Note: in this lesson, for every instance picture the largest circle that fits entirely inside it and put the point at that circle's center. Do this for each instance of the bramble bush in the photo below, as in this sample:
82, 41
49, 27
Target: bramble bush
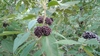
49, 28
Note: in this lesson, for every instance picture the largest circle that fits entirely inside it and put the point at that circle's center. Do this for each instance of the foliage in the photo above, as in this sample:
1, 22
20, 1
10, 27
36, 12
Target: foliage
70, 19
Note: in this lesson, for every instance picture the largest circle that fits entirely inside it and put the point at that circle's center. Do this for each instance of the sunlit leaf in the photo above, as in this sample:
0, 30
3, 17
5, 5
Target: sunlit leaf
49, 47
27, 49
88, 52
81, 40
30, 16
32, 23
68, 4
19, 40
9, 33
92, 42
52, 3
68, 42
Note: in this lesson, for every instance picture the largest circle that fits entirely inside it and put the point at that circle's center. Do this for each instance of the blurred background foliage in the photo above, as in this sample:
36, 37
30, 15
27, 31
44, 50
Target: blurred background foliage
71, 19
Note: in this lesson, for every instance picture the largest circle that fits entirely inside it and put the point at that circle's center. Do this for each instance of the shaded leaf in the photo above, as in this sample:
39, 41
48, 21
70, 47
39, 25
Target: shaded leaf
23, 46
38, 53
8, 45
58, 34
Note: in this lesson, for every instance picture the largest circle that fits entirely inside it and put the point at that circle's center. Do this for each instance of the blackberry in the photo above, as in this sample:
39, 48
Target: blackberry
81, 8
51, 19
38, 32
46, 30
48, 21
5, 24
40, 19
89, 35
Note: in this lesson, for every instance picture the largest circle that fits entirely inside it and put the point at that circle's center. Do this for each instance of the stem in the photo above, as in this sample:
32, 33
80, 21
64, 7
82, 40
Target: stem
44, 2
45, 8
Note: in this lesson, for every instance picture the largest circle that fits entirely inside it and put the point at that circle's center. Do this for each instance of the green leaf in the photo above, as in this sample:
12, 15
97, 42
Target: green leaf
68, 4
27, 49
32, 23
53, 3
1, 30
78, 55
81, 40
88, 52
92, 42
19, 40
72, 52
29, 16
23, 46
58, 34
35, 10
7, 45
88, 48
9, 33
38, 53
22, 7
49, 47
69, 42
1, 54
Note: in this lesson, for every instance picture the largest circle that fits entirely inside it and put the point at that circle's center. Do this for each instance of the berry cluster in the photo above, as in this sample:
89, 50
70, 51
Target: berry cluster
89, 35
47, 20
44, 30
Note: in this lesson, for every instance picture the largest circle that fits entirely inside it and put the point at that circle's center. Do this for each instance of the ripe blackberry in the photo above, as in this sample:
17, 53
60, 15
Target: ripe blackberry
48, 21
5, 24
38, 32
46, 30
40, 19
89, 35
81, 8
51, 19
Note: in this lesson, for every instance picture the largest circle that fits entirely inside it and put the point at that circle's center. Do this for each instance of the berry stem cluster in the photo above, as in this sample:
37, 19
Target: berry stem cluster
43, 30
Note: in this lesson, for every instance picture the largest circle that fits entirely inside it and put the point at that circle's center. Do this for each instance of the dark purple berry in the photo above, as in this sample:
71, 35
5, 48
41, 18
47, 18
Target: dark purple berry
81, 8
89, 35
48, 21
40, 19
46, 30
5, 24
51, 19
38, 32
